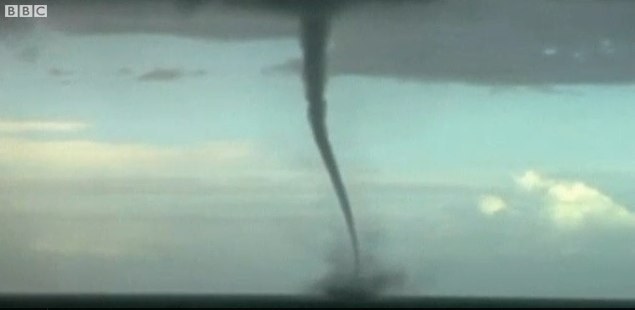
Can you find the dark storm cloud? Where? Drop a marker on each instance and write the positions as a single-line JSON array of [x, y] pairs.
[[15, 34], [485, 42], [199, 19], [163, 75], [491, 42], [13, 28]]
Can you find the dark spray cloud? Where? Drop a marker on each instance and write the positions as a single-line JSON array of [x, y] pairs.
[[376, 278]]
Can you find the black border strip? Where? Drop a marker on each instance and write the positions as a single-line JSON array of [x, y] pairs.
[[272, 301]]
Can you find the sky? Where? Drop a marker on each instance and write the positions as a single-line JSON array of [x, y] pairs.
[[172, 159]]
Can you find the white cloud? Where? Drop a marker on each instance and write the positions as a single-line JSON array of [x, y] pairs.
[[530, 180], [12, 126], [574, 204], [491, 205], [26, 157]]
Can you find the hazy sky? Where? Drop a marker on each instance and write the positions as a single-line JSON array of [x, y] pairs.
[[154, 161]]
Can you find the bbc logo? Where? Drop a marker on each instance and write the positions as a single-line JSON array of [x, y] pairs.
[[25, 10]]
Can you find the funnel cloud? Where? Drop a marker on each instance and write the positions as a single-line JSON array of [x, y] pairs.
[[314, 34]]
